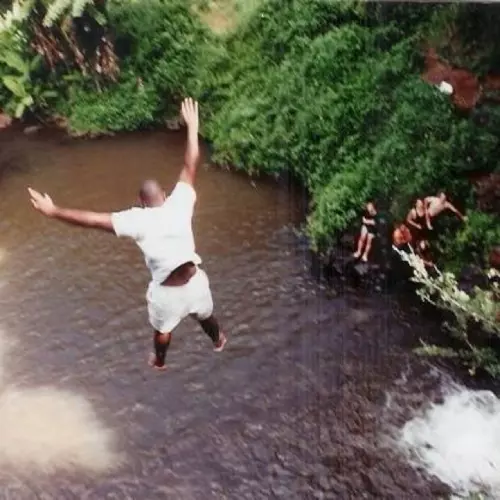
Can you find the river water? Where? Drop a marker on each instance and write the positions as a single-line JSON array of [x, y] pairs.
[[298, 406]]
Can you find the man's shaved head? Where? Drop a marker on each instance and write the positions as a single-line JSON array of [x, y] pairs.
[[151, 193]]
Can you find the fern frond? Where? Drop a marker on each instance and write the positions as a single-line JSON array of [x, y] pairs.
[[57, 8]]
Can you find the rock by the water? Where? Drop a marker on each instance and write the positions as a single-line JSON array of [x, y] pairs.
[[362, 268], [173, 124], [5, 120], [445, 88], [33, 129], [348, 240]]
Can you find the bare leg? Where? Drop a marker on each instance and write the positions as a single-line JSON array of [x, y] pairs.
[[368, 247], [161, 344], [212, 329], [361, 242]]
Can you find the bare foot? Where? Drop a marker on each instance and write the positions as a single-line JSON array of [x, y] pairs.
[[222, 342], [152, 363]]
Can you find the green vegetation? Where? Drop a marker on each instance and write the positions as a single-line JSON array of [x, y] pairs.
[[330, 91], [473, 317], [333, 92]]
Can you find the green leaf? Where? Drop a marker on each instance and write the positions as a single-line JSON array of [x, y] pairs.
[[27, 101], [14, 61], [48, 94], [73, 77], [19, 110], [14, 84], [35, 62], [98, 16]]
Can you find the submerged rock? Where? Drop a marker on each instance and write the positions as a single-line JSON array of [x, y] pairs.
[[32, 129]]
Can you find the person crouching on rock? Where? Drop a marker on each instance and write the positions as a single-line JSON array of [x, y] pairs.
[[401, 237], [368, 232]]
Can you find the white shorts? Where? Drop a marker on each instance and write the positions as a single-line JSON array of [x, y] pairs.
[[169, 305]]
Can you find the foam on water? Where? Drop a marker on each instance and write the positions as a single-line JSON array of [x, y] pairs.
[[48, 429], [51, 429], [459, 440]]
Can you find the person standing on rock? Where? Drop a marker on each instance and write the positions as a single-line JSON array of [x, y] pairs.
[[162, 228]]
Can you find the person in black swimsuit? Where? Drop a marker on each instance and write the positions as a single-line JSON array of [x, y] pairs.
[[368, 232], [416, 220]]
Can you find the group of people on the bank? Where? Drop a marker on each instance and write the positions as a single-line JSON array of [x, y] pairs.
[[412, 234]]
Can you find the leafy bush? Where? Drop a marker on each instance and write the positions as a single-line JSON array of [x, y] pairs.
[[159, 42], [476, 316], [121, 107], [473, 241], [159, 45], [465, 34], [16, 64], [280, 27]]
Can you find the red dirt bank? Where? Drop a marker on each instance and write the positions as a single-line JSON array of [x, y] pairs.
[[468, 91]]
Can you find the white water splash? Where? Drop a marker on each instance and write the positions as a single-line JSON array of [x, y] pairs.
[[458, 441], [48, 429]]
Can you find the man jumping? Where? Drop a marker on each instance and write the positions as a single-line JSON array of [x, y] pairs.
[[162, 228]]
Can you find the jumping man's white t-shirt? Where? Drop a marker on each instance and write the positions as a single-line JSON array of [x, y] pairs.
[[164, 233]]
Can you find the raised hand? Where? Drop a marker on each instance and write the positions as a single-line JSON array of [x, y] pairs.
[[42, 202], [189, 111]]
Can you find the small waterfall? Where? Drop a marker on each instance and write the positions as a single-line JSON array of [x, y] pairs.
[[457, 440]]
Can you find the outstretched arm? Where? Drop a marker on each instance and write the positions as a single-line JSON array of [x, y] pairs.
[[45, 205], [189, 111], [457, 212]]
